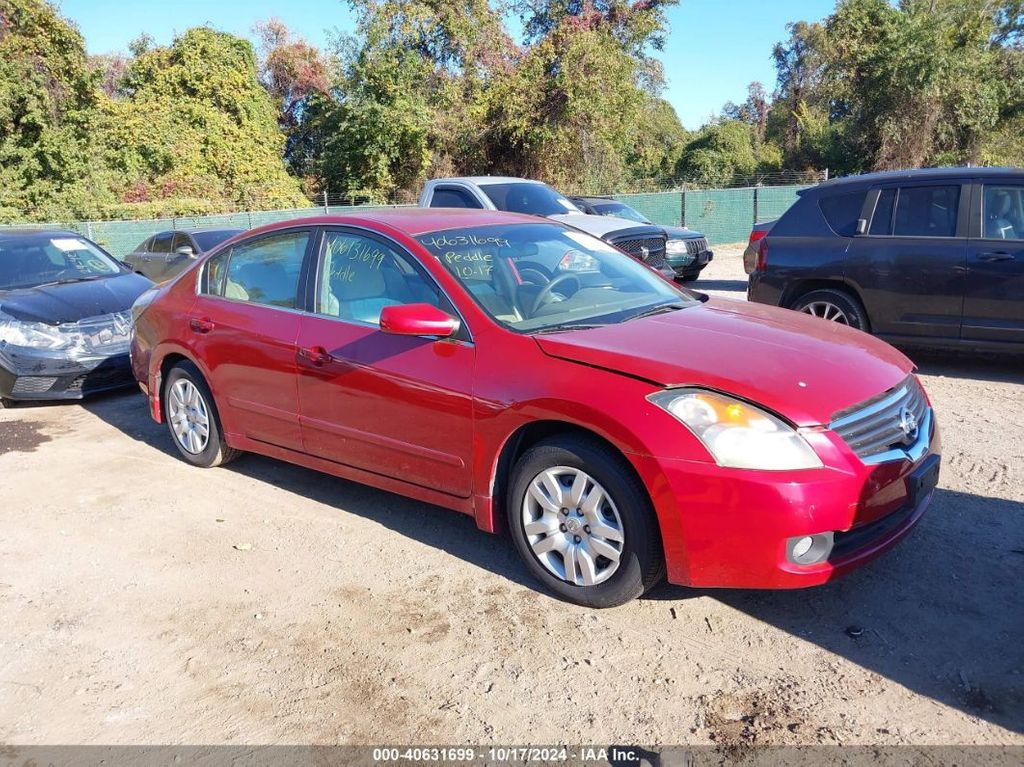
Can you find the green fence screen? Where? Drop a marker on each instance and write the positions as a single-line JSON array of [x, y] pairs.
[[723, 215]]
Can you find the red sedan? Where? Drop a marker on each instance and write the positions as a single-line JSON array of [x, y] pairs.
[[529, 375]]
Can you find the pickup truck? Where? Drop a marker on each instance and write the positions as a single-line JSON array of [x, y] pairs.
[[644, 242]]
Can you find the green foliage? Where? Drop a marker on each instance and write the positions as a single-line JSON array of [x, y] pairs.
[[83, 138], [879, 86], [47, 94], [726, 150], [196, 123]]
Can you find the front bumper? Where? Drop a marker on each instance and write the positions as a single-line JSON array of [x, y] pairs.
[[41, 376], [735, 528], [684, 264]]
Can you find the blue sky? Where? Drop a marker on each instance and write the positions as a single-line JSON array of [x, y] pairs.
[[714, 50]]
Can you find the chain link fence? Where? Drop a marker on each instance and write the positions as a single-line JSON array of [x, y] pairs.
[[722, 215]]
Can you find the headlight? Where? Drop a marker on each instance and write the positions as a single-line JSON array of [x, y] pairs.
[[676, 248], [32, 335], [102, 336], [736, 433]]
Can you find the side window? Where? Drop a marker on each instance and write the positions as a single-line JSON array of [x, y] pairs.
[[842, 212], [881, 222], [359, 276], [452, 197], [144, 247], [927, 211], [1002, 213], [180, 241], [264, 271], [161, 243]]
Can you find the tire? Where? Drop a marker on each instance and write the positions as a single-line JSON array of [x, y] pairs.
[[198, 409], [5, 403], [626, 509], [834, 305]]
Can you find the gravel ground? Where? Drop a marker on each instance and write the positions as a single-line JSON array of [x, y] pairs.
[[143, 601]]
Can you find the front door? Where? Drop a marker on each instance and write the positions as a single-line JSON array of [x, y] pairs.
[[396, 406], [154, 260], [910, 265], [994, 305], [245, 323]]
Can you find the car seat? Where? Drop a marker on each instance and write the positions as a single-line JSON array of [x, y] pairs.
[[997, 224], [265, 282], [359, 289]]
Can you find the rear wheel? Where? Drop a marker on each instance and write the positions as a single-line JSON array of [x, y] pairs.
[[583, 524], [6, 403], [192, 418], [834, 305]]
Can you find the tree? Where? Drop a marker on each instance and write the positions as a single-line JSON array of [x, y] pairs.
[[195, 124], [48, 95], [726, 151]]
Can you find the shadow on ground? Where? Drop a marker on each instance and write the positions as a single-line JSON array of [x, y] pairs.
[[1007, 368], [942, 614]]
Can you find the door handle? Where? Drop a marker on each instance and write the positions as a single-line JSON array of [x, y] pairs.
[[201, 325], [995, 255], [317, 356]]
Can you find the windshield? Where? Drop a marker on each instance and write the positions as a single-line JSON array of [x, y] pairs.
[[27, 261], [209, 240], [532, 199], [622, 211], [544, 276]]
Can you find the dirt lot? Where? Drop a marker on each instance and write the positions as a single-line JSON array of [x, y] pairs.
[[143, 601]]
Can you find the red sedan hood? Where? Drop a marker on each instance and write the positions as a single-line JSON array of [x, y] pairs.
[[803, 368]]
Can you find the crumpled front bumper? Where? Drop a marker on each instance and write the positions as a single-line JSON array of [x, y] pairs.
[[30, 374]]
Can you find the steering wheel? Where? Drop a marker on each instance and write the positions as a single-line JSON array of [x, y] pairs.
[[546, 291]]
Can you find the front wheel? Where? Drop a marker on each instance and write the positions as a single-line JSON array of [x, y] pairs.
[[192, 418], [583, 524], [834, 306]]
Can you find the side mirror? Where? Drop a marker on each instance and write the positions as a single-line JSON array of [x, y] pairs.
[[185, 250], [862, 226], [417, 320]]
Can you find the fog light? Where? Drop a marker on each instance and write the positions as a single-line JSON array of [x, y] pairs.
[[809, 549]]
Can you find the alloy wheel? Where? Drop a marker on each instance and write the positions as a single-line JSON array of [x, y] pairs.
[[573, 526], [189, 416], [826, 311]]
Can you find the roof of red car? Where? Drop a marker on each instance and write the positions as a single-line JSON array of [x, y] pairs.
[[413, 221]]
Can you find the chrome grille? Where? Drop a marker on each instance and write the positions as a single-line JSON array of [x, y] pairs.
[[880, 428], [655, 247], [696, 246]]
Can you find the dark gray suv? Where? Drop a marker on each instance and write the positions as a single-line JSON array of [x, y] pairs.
[[929, 257]]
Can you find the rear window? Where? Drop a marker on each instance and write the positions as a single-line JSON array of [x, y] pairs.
[[842, 212], [446, 197], [927, 211]]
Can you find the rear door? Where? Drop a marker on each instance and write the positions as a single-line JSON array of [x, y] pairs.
[[153, 262], [994, 303], [910, 265], [245, 323]]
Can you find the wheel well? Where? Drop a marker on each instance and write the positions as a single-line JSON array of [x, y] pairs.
[[166, 364], [794, 292], [526, 437]]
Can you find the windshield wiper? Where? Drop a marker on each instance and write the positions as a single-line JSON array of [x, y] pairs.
[[567, 328], [69, 280], [660, 309]]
